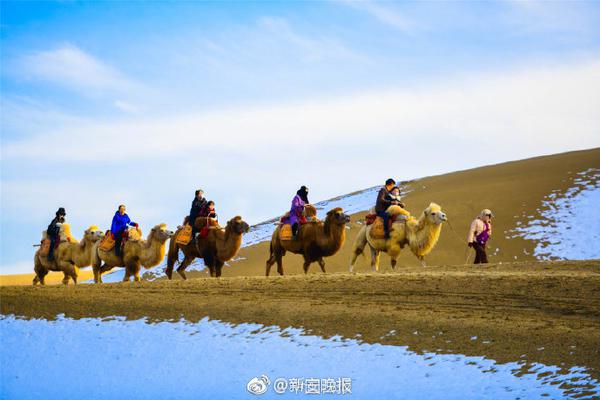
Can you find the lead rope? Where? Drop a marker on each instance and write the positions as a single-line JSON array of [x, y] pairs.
[[467, 252]]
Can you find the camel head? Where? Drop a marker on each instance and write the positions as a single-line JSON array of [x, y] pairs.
[[238, 225], [160, 233], [93, 234], [337, 216], [434, 214]]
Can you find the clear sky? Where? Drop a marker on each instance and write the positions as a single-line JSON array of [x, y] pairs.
[[143, 102]]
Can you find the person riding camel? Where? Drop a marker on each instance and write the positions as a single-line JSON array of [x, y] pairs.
[[382, 204], [209, 210], [119, 226], [395, 198], [53, 231], [479, 234], [198, 205], [297, 217]]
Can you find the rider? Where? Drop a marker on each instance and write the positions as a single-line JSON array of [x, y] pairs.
[[53, 231], [382, 204], [394, 196], [198, 204], [118, 227], [297, 211], [209, 211]]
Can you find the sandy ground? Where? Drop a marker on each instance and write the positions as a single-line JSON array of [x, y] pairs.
[[53, 278], [536, 312]]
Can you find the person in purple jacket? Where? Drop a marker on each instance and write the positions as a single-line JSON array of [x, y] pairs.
[[119, 224], [297, 211]]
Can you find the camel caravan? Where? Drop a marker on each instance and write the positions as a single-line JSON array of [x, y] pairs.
[[388, 228]]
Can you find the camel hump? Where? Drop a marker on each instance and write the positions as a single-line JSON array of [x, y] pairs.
[[310, 211], [396, 211]]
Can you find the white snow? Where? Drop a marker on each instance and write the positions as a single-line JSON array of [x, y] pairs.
[[113, 358], [569, 223]]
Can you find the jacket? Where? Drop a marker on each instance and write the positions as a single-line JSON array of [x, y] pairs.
[[120, 222], [477, 227], [196, 209], [383, 201]]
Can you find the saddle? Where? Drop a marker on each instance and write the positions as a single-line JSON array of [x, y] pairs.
[[131, 234], [285, 232], [45, 246], [107, 243], [377, 231], [184, 236]]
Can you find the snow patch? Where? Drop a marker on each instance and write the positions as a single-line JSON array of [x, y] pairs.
[[568, 226], [212, 359]]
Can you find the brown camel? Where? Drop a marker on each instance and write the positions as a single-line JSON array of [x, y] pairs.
[[220, 246], [69, 256], [315, 240], [421, 236], [136, 254]]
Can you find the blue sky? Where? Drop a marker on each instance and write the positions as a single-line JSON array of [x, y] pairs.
[[142, 102]]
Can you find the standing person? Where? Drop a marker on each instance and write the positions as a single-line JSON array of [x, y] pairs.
[[479, 234], [198, 205], [119, 224], [53, 231], [297, 211], [382, 204]]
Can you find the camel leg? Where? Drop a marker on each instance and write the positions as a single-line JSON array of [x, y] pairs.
[[322, 265], [218, 267], [127, 275], [394, 261], [359, 246], [74, 273], [422, 259], [306, 266], [40, 271], [187, 260], [280, 265], [67, 269], [270, 263], [136, 268], [209, 261], [40, 277], [374, 259], [99, 271]]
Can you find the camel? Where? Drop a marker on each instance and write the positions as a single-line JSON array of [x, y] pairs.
[[69, 256], [421, 236], [315, 241], [220, 246], [147, 253]]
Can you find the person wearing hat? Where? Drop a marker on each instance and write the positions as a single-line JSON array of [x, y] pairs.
[[479, 234], [198, 204], [297, 217], [53, 231]]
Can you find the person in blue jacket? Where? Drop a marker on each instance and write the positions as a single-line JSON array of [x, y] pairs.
[[119, 224]]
